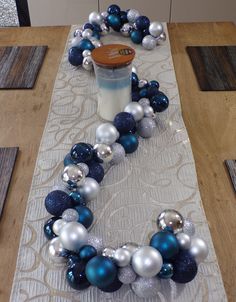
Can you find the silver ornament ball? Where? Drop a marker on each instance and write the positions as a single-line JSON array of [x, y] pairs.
[[146, 287], [87, 63], [108, 252], [126, 275], [58, 225], [148, 111], [142, 83], [56, 250], [170, 218], [118, 152], [84, 167], [126, 29], [131, 246], [96, 43], [132, 15], [86, 53], [189, 227], [73, 175], [75, 41], [70, 215], [149, 42], [107, 134], [122, 257], [146, 127], [135, 109], [87, 33], [104, 14], [184, 240], [144, 102], [199, 249], [103, 152], [89, 189], [95, 18], [155, 29], [161, 39], [96, 242], [78, 32], [104, 29]]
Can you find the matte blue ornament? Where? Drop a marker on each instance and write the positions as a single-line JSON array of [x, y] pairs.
[[134, 79], [87, 252], [78, 200], [136, 36], [86, 44], [113, 9], [101, 271], [124, 122], [143, 93], [135, 96], [76, 277], [73, 258], [159, 102], [68, 160], [85, 216], [56, 202], [142, 22], [152, 91], [166, 243], [154, 83], [114, 21], [123, 17], [96, 171], [75, 56], [48, 232], [88, 26], [81, 152], [166, 271], [185, 268], [129, 142], [116, 285]]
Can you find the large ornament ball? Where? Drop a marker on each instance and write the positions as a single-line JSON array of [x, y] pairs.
[[159, 102], [146, 127], [166, 243], [155, 29], [56, 250], [76, 277], [85, 216], [136, 36], [58, 225], [118, 152], [70, 215], [126, 275], [87, 252], [199, 249], [170, 218], [87, 63], [96, 171], [96, 242], [101, 271], [48, 230], [108, 252], [142, 22], [124, 122], [146, 287], [103, 152], [136, 110], [113, 287], [126, 29], [113, 9], [132, 15], [122, 257], [56, 202], [85, 44], [188, 227], [147, 261], [129, 142], [106, 134], [114, 22], [89, 189], [131, 246], [166, 271], [95, 18], [184, 240], [73, 235], [81, 152], [75, 56], [149, 42], [185, 268], [73, 175]]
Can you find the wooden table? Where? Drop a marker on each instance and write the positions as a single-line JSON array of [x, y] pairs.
[[210, 118]]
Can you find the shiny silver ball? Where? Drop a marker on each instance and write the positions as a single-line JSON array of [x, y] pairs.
[[106, 134], [131, 246], [78, 32], [126, 275], [75, 41], [161, 39], [73, 175], [70, 215], [122, 257], [87, 33], [104, 29], [89, 189], [132, 15], [188, 227], [184, 240], [96, 242], [95, 18], [126, 29], [84, 167], [108, 252], [87, 63], [142, 83], [146, 287], [144, 102], [199, 249], [58, 225], [135, 109], [96, 43], [148, 111], [170, 218], [155, 29], [73, 235], [56, 250], [118, 152], [104, 14], [149, 42], [147, 262], [86, 53], [146, 127], [103, 152]]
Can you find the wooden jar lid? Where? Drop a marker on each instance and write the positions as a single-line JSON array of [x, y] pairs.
[[113, 55]]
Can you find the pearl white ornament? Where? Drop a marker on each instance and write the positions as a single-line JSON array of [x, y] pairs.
[[132, 15], [58, 225], [134, 69], [126, 29], [155, 29], [170, 218], [73, 175], [87, 63], [56, 251], [95, 18], [73, 235], [184, 240], [161, 39], [122, 257], [106, 134], [199, 249], [70, 215], [103, 152], [96, 242], [188, 227], [148, 111], [144, 102], [104, 29], [87, 33], [84, 167], [108, 252], [142, 83], [75, 41], [104, 14], [131, 246], [149, 42], [146, 127], [89, 189], [135, 109], [126, 275], [146, 287], [118, 152], [147, 261]]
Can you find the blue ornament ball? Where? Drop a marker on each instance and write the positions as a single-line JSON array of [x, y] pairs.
[[154, 83], [166, 243], [85, 216], [159, 102], [56, 202], [101, 271], [72, 259], [76, 277], [87, 252], [114, 21], [68, 160], [135, 96], [113, 9], [134, 79], [152, 91], [146, 32], [96, 35], [97, 28], [78, 200], [124, 122], [116, 285], [166, 271], [86, 44], [136, 36], [143, 93], [185, 268], [48, 231], [129, 142], [142, 22], [123, 17], [96, 171], [75, 56], [81, 152], [88, 26]]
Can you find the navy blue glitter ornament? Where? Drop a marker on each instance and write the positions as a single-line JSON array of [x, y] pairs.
[[136, 36], [124, 122], [75, 56], [76, 277], [56, 202], [86, 44], [68, 160], [113, 9], [123, 17], [135, 96], [159, 102], [134, 79], [48, 232], [87, 252], [81, 152], [185, 268], [85, 216], [166, 271], [116, 285], [96, 171], [114, 21], [88, 26], [129, 142], [142, 22], [78, 200]]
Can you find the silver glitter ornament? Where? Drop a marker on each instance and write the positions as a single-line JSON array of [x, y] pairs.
[[149, 42], [184, 240], [78, 32], [144, 102], [135, 109], [122, 257], [118, 152], [70, 215], [199, 249], [188, 227], [96, 242], [73, 175], [104, 29], [103, 152], [87, 63], [95, 18], [104, 14], [134, 69], [73, 235], [170, 218], [87, 33], [56, 250], [161, 39], [84, 167], [107, 134], [58, 225], [131, 246], [155, 29], [142, 83], [147, 261], [108, 252], [126, 29], [146, 127], [126, 275], [132, 15], [146, 287], [75, 41], [148, 112], [89, 189]]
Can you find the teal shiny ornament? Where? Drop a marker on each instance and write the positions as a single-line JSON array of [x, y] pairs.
[[166, 271], [129, 142], [114, 21], [85, 216], [86, 44], [87, 252], [136, 36]]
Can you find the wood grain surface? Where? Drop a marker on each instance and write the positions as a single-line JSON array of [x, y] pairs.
[[214, 66], [231, 166], [7, 162], [19, 66]]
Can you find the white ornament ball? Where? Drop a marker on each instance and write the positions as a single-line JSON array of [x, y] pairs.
[[103, 152], [188, 227], [184, 240], [89, 189], [122, 257], [118, 152], [199, 249], [135, 109], [58, 225], [86, 53], [95, 18], [70, 215], [132, 15], [146, 287], [87, 63], [87, 33], [146, 127], [149, 42], [56, 250], [106, 134], [126, 275], [155, 29]]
